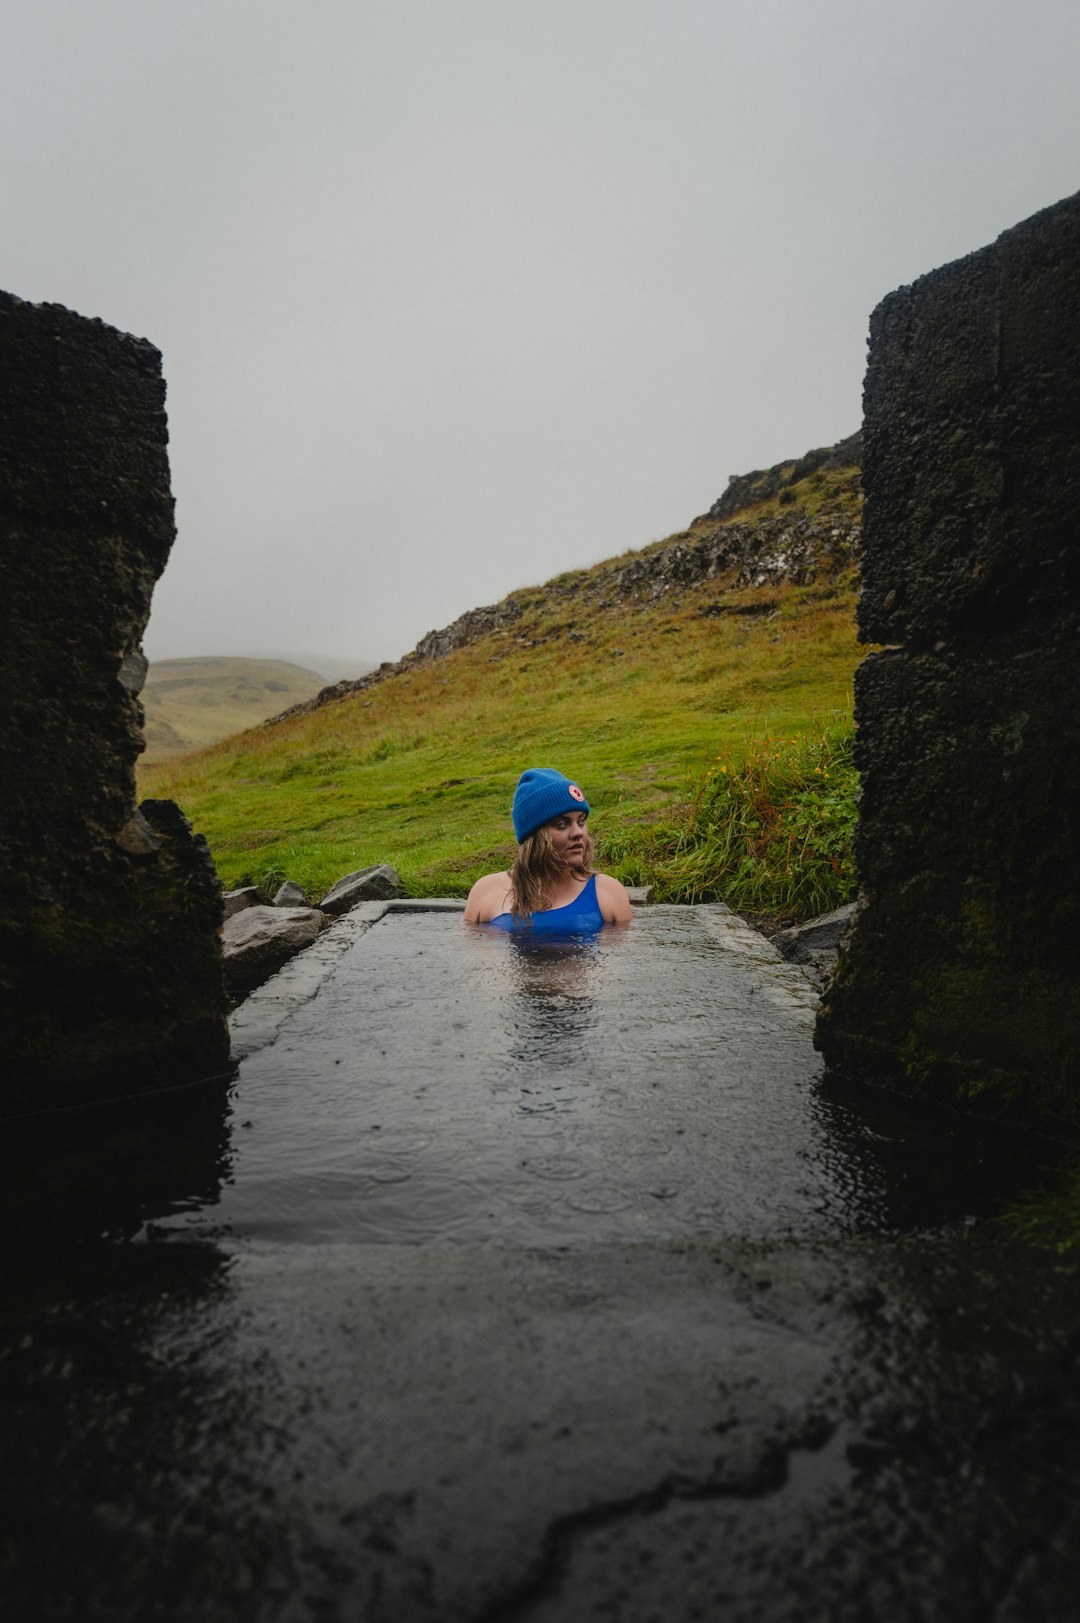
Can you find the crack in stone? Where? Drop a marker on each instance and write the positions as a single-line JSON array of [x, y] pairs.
[[770, 1474]]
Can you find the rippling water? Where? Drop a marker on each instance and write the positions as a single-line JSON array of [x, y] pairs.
[[451, 1085]]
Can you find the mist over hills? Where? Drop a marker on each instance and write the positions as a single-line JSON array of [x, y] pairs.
[[192, 702], [800, 518], [331, 667], [189, 703]]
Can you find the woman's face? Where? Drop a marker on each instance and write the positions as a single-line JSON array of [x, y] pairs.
[[568, 836]]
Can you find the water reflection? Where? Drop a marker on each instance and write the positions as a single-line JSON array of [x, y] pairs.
[[113, 1361], [79, 1177], [135, 1416], [551, 1004], [906, 1165]]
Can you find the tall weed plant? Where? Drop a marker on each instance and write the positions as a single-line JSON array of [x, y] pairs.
[[767, 830]]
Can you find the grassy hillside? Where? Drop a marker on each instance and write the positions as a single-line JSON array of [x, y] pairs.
[[190, 703], [635, 677]]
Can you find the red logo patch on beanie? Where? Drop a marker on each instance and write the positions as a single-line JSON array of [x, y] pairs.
[[573, 790]]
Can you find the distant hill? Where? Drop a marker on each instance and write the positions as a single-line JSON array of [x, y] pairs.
[[331, 667], [190, 703]]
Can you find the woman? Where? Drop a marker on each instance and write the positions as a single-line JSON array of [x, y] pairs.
[[551, 887]]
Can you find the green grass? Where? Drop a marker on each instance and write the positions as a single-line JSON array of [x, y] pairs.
[[419, 770]]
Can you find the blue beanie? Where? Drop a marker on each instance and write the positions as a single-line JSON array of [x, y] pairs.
[[541, 794]]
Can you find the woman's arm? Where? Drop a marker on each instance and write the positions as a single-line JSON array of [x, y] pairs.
[[485, 900], [613, 900]]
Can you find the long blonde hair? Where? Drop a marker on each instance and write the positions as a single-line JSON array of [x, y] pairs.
[[537, 871]]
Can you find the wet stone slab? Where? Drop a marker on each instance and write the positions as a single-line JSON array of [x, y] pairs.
[[533, 1285]]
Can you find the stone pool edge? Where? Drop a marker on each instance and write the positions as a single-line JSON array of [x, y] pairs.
[[257, 1021]]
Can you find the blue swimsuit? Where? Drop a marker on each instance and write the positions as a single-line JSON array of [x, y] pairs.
[[579, 917]]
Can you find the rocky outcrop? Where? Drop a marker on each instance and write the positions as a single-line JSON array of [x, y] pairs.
[[467, 628], [746, 489], [767, 553], [961, 977], [110, 966]]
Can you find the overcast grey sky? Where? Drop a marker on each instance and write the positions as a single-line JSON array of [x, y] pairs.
[[453, 296]]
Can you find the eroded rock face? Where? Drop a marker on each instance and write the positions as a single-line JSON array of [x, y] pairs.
[[961, 976], [110, 968], [745, 488]]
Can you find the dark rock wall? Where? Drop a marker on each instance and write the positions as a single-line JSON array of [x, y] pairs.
[[961, 977], [110, 970]]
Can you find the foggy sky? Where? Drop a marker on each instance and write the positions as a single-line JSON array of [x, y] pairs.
[[456, 294]]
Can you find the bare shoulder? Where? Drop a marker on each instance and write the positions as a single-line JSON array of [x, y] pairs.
[[613, 899], [487, 899]]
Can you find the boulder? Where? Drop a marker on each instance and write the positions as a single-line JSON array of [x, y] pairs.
[[814, 946], [376, 884], [235, 901], [290, 895], [257, 941]]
